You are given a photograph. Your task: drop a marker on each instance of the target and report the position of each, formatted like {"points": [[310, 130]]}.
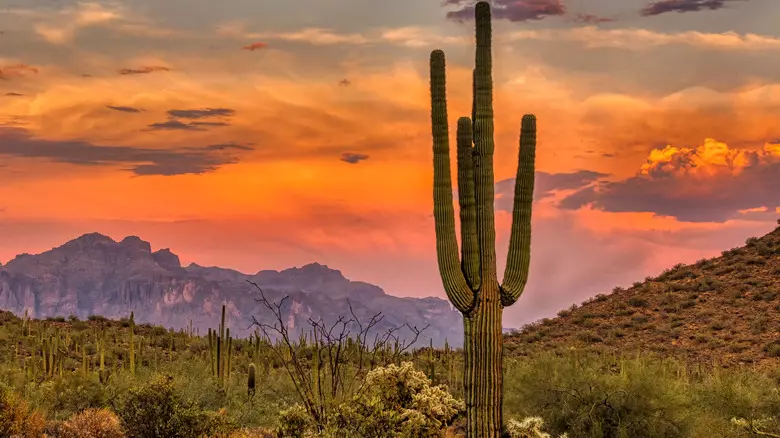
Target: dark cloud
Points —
{"points": [[12, 94], [545, 184], [141, 161], [226, 146], [512, 10], [678, 189], [209, 124], [173, 125], [345, 82], [663, 6], [142, 70], [591, 19], [124, 109], [353, 158], [201, 113], [255, 46]]}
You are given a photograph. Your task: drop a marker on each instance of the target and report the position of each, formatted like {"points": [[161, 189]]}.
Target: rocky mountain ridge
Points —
{"points": [[96, 275]]}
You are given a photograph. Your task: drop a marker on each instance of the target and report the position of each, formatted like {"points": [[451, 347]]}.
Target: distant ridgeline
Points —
{"points": [[95, 275]]}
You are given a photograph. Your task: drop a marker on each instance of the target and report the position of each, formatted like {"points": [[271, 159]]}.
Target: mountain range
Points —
{"points": [[96, 275]]}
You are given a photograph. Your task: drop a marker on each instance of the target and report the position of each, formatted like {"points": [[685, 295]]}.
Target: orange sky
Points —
{"points": [[666, 125]]}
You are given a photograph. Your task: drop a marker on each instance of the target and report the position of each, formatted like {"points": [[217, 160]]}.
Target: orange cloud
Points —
{"points": [[142, 70], [17, 70], [255, 46]]}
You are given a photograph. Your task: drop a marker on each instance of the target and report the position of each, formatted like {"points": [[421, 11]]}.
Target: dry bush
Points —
{"points": [[16, 419], [92, 423]]}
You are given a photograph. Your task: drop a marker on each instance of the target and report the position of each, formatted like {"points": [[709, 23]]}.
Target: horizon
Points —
{"points": [[294, 138]]}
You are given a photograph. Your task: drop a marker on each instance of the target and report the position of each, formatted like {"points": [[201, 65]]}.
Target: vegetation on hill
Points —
{"points": [[724, 310]]}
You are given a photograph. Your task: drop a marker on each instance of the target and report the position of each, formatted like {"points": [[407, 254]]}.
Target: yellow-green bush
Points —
{"points": [[396, 402]]}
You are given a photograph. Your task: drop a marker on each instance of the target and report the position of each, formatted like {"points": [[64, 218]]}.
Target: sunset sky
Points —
{"points": [[268, 134]]}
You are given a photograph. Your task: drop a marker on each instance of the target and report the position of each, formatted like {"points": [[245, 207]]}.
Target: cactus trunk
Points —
{"points": [[470, 278]]}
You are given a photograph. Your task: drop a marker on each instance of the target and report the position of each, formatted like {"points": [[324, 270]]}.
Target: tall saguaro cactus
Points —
{"points": [[471, 280]]}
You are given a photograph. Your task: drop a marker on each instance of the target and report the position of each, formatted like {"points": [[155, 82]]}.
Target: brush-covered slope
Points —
{"points": [[725, 309], [95, 275]]}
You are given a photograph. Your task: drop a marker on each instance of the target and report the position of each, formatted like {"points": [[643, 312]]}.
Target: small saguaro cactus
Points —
{"points": [[471, 280], [132, 344], [251, 380]]}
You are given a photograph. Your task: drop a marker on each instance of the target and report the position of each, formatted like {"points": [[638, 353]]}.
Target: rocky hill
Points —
{"points": [[95, 275], [724, 309]]}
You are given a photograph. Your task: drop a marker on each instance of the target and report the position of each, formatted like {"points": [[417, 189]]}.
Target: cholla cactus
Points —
{"points": [[529, 427]]}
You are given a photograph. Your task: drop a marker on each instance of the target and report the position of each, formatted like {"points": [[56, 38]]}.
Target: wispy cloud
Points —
{"points": [[124, 109], [594, 37], [255, 46], [141, 161], [17, 71], [143, 70], [512, 10], [353, 158], [201, 113], [663, 6]]}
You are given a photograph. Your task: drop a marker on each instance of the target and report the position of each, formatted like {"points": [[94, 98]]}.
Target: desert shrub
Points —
{"points": [[582, 396], [16, 418], [156, 411], [92, 423], [397, 401], [529, 427]]}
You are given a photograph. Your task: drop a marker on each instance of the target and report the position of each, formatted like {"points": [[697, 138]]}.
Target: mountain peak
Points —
{"points": [[166, 258], [135, 242], [90, 239]]}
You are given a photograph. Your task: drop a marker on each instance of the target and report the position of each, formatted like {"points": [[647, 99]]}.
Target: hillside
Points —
{"points": [[725, 309], [95, 275]]}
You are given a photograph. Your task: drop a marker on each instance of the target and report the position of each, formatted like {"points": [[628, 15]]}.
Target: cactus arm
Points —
{"points": [[519, 258], [484, 144], [454, 282], [468, 213]]}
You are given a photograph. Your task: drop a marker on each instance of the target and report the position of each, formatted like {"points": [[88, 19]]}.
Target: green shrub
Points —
{"points": [[156, 411]]}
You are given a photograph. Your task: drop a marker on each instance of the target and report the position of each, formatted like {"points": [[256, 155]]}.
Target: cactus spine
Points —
{"points": [[471, 281]]}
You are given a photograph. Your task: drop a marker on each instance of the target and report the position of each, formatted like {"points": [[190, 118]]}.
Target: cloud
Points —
{"points": [[255, 46], [353, 158], [72, 19], [635, 39], [209, 124], [143, 70], [591, 19], [311, 35], [173, 125], [663, 6], [345, 82], [141, 161], [12, 94], [124, 109], [512, 10], [708, 183], [17, 71], [545, 185], [201, 113]]}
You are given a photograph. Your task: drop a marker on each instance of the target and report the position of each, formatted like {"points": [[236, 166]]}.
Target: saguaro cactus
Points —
{"points": [[471, 282]]}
